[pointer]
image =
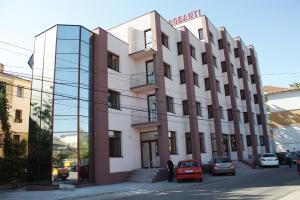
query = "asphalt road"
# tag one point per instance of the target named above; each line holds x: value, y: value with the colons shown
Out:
x: 272, y: 183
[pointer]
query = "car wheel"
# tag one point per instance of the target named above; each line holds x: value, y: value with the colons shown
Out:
x: 233, y: 174
x: 200, y: 179
x: 277, y: 166
x: 179, y: 181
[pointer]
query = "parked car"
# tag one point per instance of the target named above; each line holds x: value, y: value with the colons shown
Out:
x: 222, y: 165
x: 188, y: 169
x: 268, y: 160
x: 60, y: 173
x: 282, y: 158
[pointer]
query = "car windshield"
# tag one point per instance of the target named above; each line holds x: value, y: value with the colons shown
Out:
x: 222, y: 160
x: 268, y: 155
x: 189, y: 164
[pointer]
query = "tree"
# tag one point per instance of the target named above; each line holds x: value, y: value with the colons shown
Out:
x: 295, y: 85
x: 14, y: 161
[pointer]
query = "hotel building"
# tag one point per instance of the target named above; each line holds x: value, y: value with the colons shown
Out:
x: 117, y: 100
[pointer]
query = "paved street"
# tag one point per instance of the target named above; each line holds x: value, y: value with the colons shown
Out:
x: 271, y: 183
x: 282, y: 183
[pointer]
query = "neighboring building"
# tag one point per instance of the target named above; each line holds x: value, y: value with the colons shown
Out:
x: 18, y: 94
x: 283, y: 107
x: 140, y: 92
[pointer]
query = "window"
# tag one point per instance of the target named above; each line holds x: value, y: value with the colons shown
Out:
x: 172, y: 142
x: 218, y: 86
x: 248, y: 139
x: 16, y: 139
x: 226, y: 89
x: 229, y: 47
x: 188, y: 143
x: 204, y: 58
x: 258, y: 118
x: 249, y: 60
x: 182, y: 76
x: 115, y: 144
x: 245, y: 115
x: 220, y: 43
x: 255, y: 98
x: 201, y: 34
x: 262, y: 140
x: 202, y: 142
x: 2, y: 87
x: 232, y: 68
x: 207, y: 84
x: 242, y: 141
x: 193, y: 53
x: 196, y: 79
x: 167, y: 71
x: 179, y: 48
x: 236, y: 53
x: 170, y: 104
x: 113, y: 61
x: 211, y: 37
x: 185, y: 107
x: 199, y: 109
x: 233, y: 142
x: 223, y: 66
x: 238, y: 115
x: 20, y: 91
x: 235, y: 91
x: 18, y: 116
x: 252, y: 77
x: 165, y: 40
x: 229, y: 114
x: 242, y: 93
x: 113, y: 99
x: 240, y: 74
x: 221, y: 112
x: 210, y: 111
x: 215, y: 61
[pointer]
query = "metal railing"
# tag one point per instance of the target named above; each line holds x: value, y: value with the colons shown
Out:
x: 141, y: 79
x: 141, y: 116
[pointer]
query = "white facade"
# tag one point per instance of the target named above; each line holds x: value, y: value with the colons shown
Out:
x: 128, y: 38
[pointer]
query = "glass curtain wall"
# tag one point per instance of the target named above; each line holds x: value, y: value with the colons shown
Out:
x: 66, y: 101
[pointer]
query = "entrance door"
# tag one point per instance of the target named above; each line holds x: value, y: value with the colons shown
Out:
x: 225, y: 145
x: 150, y: 154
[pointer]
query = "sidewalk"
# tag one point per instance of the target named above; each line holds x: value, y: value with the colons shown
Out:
x: 125, y: 189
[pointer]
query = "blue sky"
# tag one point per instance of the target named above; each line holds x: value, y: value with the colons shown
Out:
x: 271, y: 26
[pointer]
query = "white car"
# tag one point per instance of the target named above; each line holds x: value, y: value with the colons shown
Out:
x: 268, y: 159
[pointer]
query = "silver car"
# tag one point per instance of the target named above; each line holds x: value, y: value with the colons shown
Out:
x: 222, y: 165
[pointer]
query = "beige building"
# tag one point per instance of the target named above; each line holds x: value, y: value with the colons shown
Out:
x: 19, y: 100
x: 283, y: 108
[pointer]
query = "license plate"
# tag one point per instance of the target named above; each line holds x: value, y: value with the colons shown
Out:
x: 189, y: 171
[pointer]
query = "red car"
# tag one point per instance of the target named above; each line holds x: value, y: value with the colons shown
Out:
x: 188, y: 170
x: 298, y: 166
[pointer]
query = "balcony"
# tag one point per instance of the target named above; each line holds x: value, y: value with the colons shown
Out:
x: 144, y: 119
x: 142, y: 82
x: 143, y: 53
x: 140, y: 43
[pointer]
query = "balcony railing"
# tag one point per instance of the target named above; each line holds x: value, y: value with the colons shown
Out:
x: 142, y: 82
x: 144, y: 118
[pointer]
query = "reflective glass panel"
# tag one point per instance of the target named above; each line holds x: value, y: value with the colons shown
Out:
x: 67, y: 46
x: 68, y: 32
